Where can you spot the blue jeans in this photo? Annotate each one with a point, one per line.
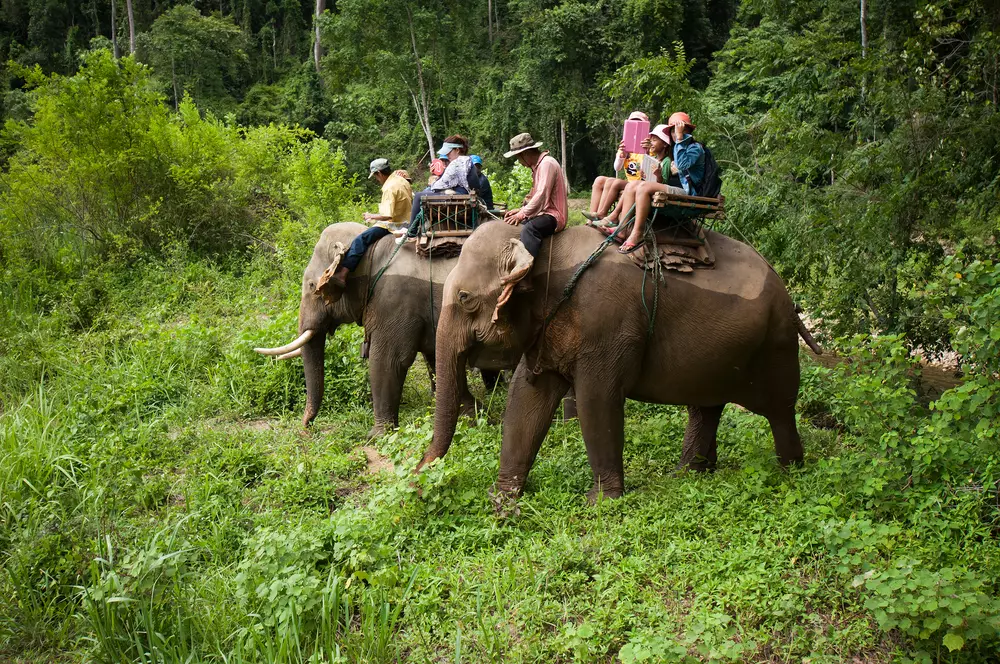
(414, 230)
(360, 245)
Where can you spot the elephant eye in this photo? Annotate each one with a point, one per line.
(467, 300)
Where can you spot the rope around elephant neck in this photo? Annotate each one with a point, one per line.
(545, 303)
(378, 275)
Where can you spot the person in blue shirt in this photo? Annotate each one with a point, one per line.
(688, 165)
(485, 190)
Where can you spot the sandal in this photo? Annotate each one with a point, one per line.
(592, 216)
(628, 247)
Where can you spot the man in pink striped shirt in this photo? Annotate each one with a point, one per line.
(544, 211)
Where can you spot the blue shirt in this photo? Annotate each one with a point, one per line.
(690, 160)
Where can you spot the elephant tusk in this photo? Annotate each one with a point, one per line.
(295, 345)
(287, 356)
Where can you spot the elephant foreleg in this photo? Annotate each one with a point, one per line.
(700, 449)
(601, 410)
(388, 367)
(530, 407)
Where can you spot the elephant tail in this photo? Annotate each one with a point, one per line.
(806, 336)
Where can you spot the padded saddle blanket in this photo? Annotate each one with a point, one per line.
(439, 247)
(678, 248)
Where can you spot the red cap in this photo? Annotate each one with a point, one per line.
(680, 118)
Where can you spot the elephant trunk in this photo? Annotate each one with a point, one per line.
(312, 362)
(451, 385)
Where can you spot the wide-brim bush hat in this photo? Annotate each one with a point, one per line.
(662, 132)
(520, 143)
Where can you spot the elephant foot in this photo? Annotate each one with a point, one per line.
(380, 429)
(603, 491)
(504, 501)
(696, 466)
(470, 408)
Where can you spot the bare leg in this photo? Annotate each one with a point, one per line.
(613, 188)
(626, 202)
(700, 450)
(388, 368)
(643, 204)
(597, 191)
(530, 407)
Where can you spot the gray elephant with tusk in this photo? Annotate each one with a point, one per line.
(399, 319)
(728, 334)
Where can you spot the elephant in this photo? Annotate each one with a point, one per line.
(399, 320)
(728, 334)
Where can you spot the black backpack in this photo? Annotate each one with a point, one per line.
(711, 179)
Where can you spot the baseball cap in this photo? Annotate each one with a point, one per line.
(476, 159)
(377, 165)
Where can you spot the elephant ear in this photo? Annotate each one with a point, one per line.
(515, 263)
(325, 287)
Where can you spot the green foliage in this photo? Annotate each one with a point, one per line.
(202, 55)
(103, 169)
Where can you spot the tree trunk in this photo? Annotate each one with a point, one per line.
(423, 91)
(864, 28)
(562, 144)
(489, 19)
(317, 47)
(173, 78)
(131, 28)
(114, 29)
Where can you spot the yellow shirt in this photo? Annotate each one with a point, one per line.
(397, 200)
(633, 166)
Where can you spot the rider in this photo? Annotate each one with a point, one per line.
(544, 210)
(485, 190)
(393, 213)
(688, 165)
(456, 179)
(606, 190)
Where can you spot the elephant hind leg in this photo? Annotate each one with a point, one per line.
(787, 443)
(700, 448)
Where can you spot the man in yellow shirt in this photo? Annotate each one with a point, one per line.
(393, 215)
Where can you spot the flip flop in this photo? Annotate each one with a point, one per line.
(627, 247)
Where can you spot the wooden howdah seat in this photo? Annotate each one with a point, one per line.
(678, 241)
(445, 220)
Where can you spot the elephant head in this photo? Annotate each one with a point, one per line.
(486, 309)
(321, 311)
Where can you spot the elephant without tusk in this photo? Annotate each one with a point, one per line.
(729, 334)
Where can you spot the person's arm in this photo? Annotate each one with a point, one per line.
(620, 157)
(688, 157)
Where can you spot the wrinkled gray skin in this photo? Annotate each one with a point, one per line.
(723, 335)
(398, 321)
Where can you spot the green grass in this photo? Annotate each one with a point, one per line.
(159, 502)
